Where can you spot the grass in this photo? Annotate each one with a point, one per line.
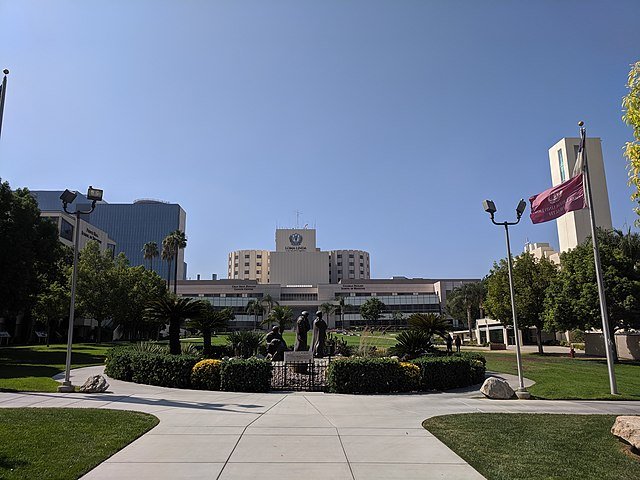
(30, 367)
(504, 446)
(376, 339)
(559, 377)
(63, 443)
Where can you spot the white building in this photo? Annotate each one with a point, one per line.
(574, 227)
(298, 261)
(66, 231)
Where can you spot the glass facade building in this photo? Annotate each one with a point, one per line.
(130, 225)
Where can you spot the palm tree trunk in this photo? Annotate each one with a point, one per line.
(539, 340)
(99, 335)
(206, 341)
(174, 337)
(168, 274)
(469, 325)
(175, 274)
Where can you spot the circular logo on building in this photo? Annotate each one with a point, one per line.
(555, 196)
(295, 239)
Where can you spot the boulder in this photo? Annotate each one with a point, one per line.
(628, 429)
(95, 384)
(497, 388)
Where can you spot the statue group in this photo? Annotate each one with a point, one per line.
(319, 336)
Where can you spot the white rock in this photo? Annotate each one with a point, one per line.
(497, 388)
(628, 429)
(95, 384)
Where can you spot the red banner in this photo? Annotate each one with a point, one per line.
(558, 200)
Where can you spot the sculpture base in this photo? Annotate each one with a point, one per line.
(66, 388)
(523, 394)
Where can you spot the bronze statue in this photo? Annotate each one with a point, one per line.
(319, 335)
(276, 345)
(302, 328)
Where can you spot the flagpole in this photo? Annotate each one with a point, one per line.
(3, 94)
(596, 258)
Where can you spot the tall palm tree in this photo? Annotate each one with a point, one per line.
(283, 316)
(268, 303)
(150, 251)
(327, 308)
(255, 308)
(168, 255)
(179, 242)
(173, 310)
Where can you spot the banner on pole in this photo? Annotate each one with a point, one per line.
(558, 200)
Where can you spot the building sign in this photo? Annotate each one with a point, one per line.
(244, 287)
(303, 356)
(91, 235)
(295, 239)
(353, 287)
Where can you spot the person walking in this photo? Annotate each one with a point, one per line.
(458, 342)
(449, 340)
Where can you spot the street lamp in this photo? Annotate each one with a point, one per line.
(490, 208)
(67, 197)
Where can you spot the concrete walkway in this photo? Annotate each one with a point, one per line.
(227, 435)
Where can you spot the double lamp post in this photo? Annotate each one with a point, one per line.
(490, 208)
(67, 197)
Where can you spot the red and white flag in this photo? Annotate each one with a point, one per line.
(558, 200)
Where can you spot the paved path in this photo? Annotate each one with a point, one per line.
(227, 435)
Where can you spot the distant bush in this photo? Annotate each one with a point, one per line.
(245, 375)
(205, 374)
(444, 373)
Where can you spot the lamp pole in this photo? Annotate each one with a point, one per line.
(490, 208)
(68, 197)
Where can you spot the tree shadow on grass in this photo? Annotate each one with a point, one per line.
(7, 463)
(55, 356)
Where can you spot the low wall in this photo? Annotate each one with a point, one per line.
(628, 345)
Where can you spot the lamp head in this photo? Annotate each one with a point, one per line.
(94, 194)
(522, 205)
(489, 207)
(68, 196)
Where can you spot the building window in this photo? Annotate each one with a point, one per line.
(351, 255)
(351, 264)
(246, 264)
(258, 272)
(339, 264)
(66, 230)
(339, 255)
(246, 272)
(259, 264)
(563, 176)
(259, 255)
(246, 256)
(361, 257)
(339, 271)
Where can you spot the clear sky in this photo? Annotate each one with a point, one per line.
(385, 122)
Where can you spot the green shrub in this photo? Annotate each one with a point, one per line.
(412, 343)
(365, 375)
(162, 370)
(118, 363)
(245, 343)
(472, 356)
(410, 377)
(132, 365)
(444, 373)
(245, 375)
(206, 374)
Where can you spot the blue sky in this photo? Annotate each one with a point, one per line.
(385, 122)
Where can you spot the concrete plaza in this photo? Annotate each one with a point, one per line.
(227, 435)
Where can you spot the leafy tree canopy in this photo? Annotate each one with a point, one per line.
(631, 107)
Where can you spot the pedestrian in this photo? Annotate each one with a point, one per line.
(458, 343)
(449, 344)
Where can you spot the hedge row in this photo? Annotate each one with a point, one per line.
(186, 371)
(385, 375)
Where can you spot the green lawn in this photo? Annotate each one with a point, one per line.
(376, 339)
(559, 377)
(63, 443)
(537, 446)
(30, 367)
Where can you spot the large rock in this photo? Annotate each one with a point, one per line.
(95, 384)
(497, 388)
(628, 429)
